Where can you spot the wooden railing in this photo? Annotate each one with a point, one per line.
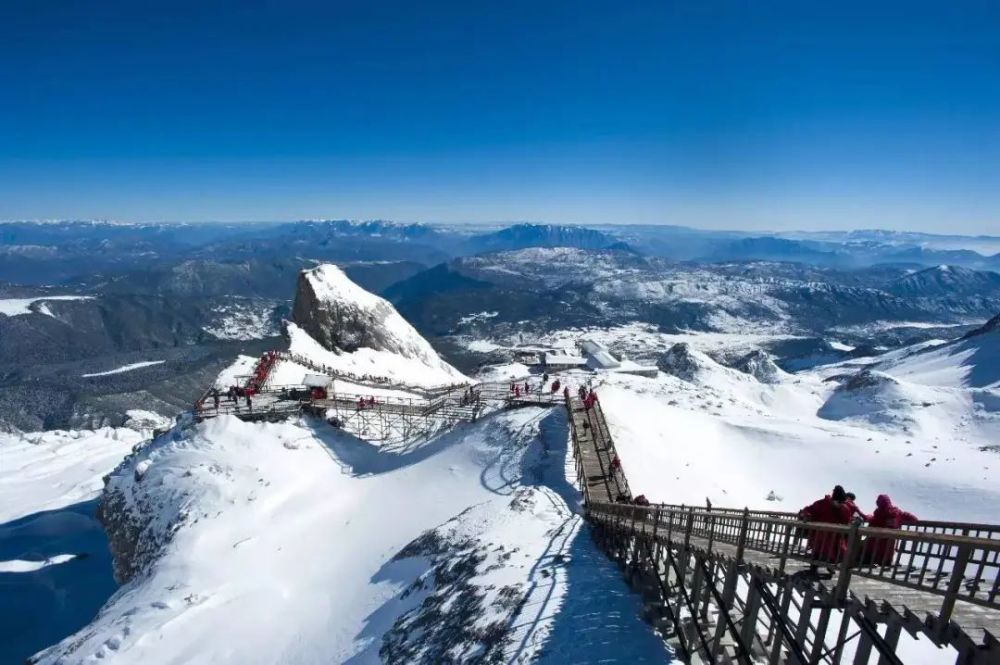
(955, 567)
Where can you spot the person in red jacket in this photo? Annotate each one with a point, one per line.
(831, 509)
(879, 551)
(857, 515)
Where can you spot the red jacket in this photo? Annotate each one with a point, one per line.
(857, 511)
(828, 510)
(888, 516)
(827, 546)
(881, 550)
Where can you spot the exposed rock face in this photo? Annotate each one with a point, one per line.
(868, 379)
(133, 541)
(680, 361)
(141, 515)
(759, 365)
(343, 317)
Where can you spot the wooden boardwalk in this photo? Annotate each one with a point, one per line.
(770, 600)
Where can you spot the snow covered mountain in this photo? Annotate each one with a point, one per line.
(296, 542)
(337, 323)
(945, 280)
(551, 288)
(522, 236)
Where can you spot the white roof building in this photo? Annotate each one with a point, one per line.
(563, 360)
(316, 381)
(599, 357)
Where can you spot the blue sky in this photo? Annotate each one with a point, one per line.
(750, 115)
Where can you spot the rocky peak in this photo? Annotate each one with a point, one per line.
(343, 317)
(680, 361)
(759, 365)
(868, 379)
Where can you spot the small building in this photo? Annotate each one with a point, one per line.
(316, 381)
(598, 355)
(557, 362)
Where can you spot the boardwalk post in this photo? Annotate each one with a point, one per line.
(741, 543)
(670, 524)
(690, 526)
(784, 632)
(844, 581)
(749, 628)
(785, 546)
(711, 532)
(954, 585)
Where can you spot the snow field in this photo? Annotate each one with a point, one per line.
(19, 306)
(282, 538)
(49, 470)
(725, 437)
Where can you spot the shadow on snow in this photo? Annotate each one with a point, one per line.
(41, 607)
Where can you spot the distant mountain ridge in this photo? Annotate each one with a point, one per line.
(947, 280)
(522, 236)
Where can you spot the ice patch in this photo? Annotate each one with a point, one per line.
(22, 566)
(482, 346)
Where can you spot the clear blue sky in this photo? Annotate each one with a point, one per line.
(755, 115)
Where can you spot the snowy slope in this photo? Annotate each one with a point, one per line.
(291, 543)
(425, 371)
(49, 470)
(970, 362)
(711, 434)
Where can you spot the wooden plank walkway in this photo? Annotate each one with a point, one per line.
(975, 620)
(971, 628)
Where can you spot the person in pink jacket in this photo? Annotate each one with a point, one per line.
(879, 551)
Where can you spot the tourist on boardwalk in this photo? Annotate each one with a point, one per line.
(361, 403)
(582, 392)
(566, 393)
(215, 398)
(857, 515)
(831, 509)
(545, 378)
(555, 386)
(371, 401)
(517, 390)
(249, 403)
(527, 388)
(879, 551)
